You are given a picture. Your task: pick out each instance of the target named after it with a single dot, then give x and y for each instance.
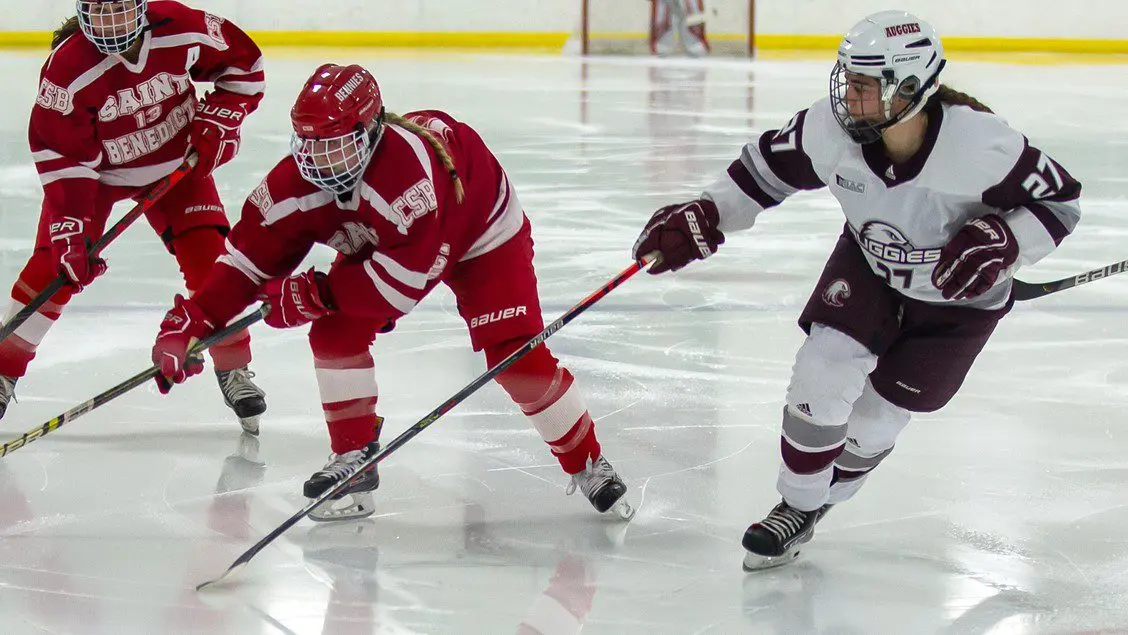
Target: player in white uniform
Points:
(943, 202)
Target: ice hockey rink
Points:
(1003, 513)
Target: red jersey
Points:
(399, 231)
(100, 118)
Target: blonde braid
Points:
(440, 149)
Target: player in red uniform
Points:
(117, 111)
(383, 191)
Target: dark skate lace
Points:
(784, 522)
(237, 385)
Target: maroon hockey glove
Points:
(181, 326)
(974, 258)
(297, 300)
(214, 132)
(69, 248)
(681, 233)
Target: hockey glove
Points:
(974, 258)
(681, 233)
(70, 247)
(182, 326)
(297, 300)
(214, 132)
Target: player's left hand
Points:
(680, 234)
(214, 132)
(182, 325)
(297, 300)
(974, 258)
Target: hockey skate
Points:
(357, 497)
(603, 487)
(775, 540)
(243, 396)
(7, 392)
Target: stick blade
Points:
(231, 571)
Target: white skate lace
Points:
(237, 385)
(595, 474)
(341, 465)
(784, 522)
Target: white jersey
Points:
(971, 164)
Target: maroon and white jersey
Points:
(399, 231)
(100, 118)
(970, 164)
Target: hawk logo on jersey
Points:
(888, 243)
(352, 238)
(836, 294)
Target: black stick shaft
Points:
(133, 382)
(426, 421)
(1029, 290)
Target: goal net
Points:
(622, 27)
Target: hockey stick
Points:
(426, 421)
(126, 386)
(1030, 290)
(151, 196)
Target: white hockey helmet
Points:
(112, 26)
(905, 55)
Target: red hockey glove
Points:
(214, 132)
(681, 233)
(974, 258)
(182, 326)
(69, 248)
(297, 300)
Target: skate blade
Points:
(250, 425)
(623, 509)
(356, 505)
(756, 562)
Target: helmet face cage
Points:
(334, 164)
(112, 27)
(867, 128)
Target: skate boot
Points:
(603, 488)
(7, 392)
(243, 396)
(775, 540)
(357, 497)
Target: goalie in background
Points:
(673, 20)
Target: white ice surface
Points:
(1003, 513)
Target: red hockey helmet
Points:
(338, 119)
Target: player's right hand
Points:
(69, 248)
(681, 233)
(182, 326)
